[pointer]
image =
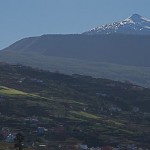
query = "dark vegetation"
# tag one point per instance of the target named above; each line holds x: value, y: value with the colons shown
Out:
x: 93, y: 111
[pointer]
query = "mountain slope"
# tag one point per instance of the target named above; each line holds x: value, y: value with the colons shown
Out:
x: 117, y: 57
x: 134, y: 74
x: 75, y: 87
x: 126, y: 57
x: 134, y: 24
x: 94, y: 111
x: 119, y: 49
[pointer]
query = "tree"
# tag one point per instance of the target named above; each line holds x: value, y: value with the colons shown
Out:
x: 18, y: 141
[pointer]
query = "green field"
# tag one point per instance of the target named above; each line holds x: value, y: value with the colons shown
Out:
x: 11, y: 92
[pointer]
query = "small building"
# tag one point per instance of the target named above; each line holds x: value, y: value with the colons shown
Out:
x: 10, y: 138
x: 135, y: 109
x: 83, y: 147
x: 115, y: 109
x: 41, y: 130
x: 102, y: 94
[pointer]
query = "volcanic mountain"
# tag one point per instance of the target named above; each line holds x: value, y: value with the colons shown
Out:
x: 109, y: 55
x: 111, y: 48
x: 134, y: 24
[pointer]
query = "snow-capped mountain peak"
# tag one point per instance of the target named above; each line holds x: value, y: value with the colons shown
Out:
x: 135, y: 18
x: 135, y: 24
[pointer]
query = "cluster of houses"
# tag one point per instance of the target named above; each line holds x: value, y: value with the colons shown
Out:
x: 34, y: 80
x: 119, y: 147
x: 9, y: 136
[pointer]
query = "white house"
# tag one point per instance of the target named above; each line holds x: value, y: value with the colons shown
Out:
x: 10, y: 138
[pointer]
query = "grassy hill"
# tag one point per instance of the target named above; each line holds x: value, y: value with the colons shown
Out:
x: 95, y: 111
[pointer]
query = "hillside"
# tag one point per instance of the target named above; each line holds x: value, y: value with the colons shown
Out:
x: 117, y: 48
x: 134, y: 74
x: 94, y: 110
x: 116, y: 57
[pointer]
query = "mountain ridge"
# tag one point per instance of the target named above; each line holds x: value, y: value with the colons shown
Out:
x: 111, y: 48
x: 135, y: 24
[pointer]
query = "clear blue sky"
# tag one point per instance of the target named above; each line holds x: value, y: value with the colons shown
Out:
x: 24, y: 18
